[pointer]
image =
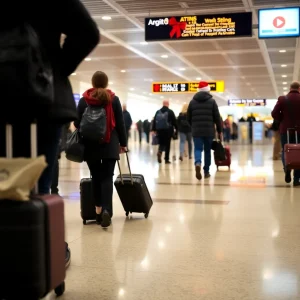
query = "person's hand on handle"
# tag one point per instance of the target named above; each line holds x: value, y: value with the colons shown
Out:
x: 123, y: 150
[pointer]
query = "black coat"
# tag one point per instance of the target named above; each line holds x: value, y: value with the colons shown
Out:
x: 203, y: 115
x: 127, y: 119
x: 182, y: 126
x: 95, y: 151
x: 51, y: 19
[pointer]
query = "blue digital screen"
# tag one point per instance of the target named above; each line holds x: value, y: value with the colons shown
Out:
x: 279, y: 22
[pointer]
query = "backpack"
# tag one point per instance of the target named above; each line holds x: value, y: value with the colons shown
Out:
x: 93, y: 125
x: 162, y: 120
x: 26, y: 79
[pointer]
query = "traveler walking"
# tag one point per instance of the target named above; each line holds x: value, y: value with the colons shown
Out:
x: 127, y: 120
x: 277, y: 142
x: 57, y: 19
x: 203, y: 115
x: 146, y: 127
x: 250, y: 120
x: 104, y: 139
x: 185, y: 132
x: 164, y: 125
x: 287, y: 111
x: 227, y: 130
x: 139, y: 127
x: 62, y: 147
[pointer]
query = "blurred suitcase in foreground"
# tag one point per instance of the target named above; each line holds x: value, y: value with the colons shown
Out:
x: 292, y: 153
x: 133, y: 192
x: 87, y: 202
x: 32, y: 252
x: 226, y: 162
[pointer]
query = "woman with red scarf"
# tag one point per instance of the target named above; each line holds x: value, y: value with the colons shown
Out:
x: 101, y: 157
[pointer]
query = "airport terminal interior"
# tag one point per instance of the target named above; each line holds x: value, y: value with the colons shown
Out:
x: 234, y: 235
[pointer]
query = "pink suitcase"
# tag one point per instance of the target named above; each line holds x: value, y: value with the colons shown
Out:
x: 292, y: 153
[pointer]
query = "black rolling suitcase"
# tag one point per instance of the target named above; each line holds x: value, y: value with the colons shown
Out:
x: 87, y: 202
x: 32, y: 251
x: 133, y: 192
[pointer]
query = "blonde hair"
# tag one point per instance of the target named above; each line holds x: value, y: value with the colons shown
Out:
x: 184, y: 108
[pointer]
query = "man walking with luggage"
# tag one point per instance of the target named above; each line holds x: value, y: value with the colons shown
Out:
x: 165, y: 125
x: 287, y: 112
x: 203, y: 115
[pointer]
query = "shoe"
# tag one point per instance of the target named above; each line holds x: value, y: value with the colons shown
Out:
x: 159, y: 154
x: 106, y: 219
x: 168, y: 162
x: 207, y: 175
x: 98, y: 218
x: 68, y: 257
x: 288, y: 177
x: 198, y: 172
x: 180, y: 158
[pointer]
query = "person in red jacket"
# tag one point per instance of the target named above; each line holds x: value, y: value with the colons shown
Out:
x: 287, y: 112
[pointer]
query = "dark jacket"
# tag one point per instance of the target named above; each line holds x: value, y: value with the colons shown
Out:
x: 94, y: 151
x: 146, y: 126
x: 183, y: 123
x: 275, y: 125
x: 203, y: 115
x: 171, y: 119
x: 127, y: 119
x: 282, y: 113
x: 51, y: 19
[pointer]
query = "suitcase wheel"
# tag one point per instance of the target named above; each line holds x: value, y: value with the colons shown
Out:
x: 60, y: 289
x: 127, y: 213
x: 146, y: 215
x: 84, y: 222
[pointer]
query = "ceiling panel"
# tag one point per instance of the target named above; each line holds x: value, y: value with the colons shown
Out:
x: 115, y: 23
x: 112, y: 51
x: 254, y: 71
x: 282, y: 58
x: 191, y: 46
x: 150, y: 48
x: 247, y: 58
x: 131, y: 37
x: 213, y: 60
x: 238, y: 44
x: 281, y: 43
x: 97, y: 7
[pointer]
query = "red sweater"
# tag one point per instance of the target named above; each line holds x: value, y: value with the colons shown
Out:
x: 281, y: 111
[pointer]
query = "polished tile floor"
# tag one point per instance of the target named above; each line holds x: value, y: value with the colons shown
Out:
x: 234, y: 236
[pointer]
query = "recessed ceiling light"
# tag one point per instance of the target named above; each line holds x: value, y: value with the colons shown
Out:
x: 284, y: 76
x: 198, y: 78
x: 164, y: 56
x: 282, y: 51
x: 143, y: 43
x: 123, y: 71
x: 161, y: 97
x: 132, y: 89
x: 110, y: 83
x: 182, y: 69
x: 73, y: 74
x: 87, y: 59
x: 285, y: 88
x: 284, y: 82
x: 106, y: 18
x: 283, y: 66
x: 248, y: 83
x: 150, y: 94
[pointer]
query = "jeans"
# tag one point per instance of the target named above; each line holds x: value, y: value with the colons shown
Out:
x: 183, y: 138
x: 102, y: 172
x: 201, y: 143
x: 164, y: 138
x: 284, y: 141
x: 227, y: 136
x: 54, y: 185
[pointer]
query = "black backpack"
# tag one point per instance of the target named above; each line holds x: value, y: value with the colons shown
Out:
x: 93, y: 124
x: 26, y: 79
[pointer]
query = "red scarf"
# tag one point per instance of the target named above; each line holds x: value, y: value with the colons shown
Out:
x: 110, y: 116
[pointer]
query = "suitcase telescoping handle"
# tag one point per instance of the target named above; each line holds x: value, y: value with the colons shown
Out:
x: 128, y: 163
x: 288, y: 134
x: 33, y: 143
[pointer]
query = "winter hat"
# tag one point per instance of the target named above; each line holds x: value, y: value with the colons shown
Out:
x: 203, y: 87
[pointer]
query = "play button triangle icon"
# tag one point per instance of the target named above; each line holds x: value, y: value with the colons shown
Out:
x: 279, y: 22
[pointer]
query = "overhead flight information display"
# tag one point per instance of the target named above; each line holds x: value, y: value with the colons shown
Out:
x: 278, y: 22
x: 185, y: 87
x: 198, y: 27
x: 247, y: 102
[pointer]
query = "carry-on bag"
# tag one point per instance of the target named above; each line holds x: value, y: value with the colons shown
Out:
x: 87, y: 201
x: 226, y: 162
x: 292, y: 152
x: 32, y: 252
x: 133, y: 192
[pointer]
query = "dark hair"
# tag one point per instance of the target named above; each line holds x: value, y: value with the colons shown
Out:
x: 295, y: 86
x: 100, y: 83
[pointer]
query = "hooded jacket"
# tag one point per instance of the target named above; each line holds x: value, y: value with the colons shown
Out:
x: 204, y: 115
x: 116, y: 127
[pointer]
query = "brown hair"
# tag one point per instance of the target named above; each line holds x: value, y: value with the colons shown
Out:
x: 100, y: 83
x: 295, y: 86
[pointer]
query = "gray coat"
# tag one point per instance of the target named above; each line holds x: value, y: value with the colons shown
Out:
x: 203, y: 115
